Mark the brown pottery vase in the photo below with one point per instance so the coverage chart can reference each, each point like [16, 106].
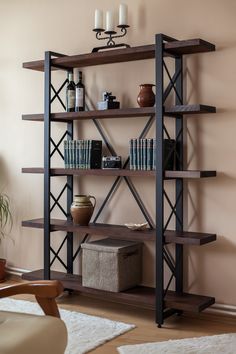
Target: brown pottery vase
[2, 269]
[82, 209]
[146, 97]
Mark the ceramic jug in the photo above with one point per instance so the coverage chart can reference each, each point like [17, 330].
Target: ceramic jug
[146, 97]
[82, 209]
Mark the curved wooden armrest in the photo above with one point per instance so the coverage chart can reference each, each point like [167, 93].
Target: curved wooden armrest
[45, 292]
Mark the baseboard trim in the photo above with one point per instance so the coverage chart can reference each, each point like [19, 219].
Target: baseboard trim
[16, 271]
[220, 309]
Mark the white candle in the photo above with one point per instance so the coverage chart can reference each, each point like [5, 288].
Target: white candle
[123, 14]
[98, 19]
[109, 21]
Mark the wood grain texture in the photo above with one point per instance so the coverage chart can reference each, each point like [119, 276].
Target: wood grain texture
[123, 55]
[120, 172]
[121, 113]
[44, 291]
[140, 295]
[122, 232]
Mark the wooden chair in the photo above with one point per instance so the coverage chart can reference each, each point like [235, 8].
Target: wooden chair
[32, 334]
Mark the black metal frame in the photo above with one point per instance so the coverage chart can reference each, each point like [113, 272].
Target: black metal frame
[163, 255]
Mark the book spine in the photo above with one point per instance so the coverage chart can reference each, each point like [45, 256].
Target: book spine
[85, 154]
[89, 153]
[141, 153]
[138, 154]
[77, 154]
[135, 154]
[145, 154]
[66, 153]
[154, 155]
[149, 164]
[131, 154]
[69, 153]
[74, 153]
[82, 154]
[96, 154]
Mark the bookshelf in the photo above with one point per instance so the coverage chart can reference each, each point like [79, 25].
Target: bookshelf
[160, 298]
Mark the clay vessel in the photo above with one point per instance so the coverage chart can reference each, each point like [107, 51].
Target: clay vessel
[146, 97]
[82, 209]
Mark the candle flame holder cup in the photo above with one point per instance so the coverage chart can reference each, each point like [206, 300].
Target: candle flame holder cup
[110, 36]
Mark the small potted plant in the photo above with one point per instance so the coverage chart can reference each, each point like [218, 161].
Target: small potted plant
[5, 219]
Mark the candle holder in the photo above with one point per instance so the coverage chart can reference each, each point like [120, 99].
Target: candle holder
[111, 35]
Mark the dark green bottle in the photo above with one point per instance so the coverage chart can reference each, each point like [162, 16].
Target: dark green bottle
[70, 93]
[80, 95]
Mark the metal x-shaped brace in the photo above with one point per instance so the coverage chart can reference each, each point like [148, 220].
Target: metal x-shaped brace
[57, 92]
[127, 180]
[56, 200]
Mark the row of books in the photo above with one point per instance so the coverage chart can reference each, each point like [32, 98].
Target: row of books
[83, 154]
[142, 153]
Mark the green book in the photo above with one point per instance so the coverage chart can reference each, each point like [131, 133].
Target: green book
[77, 154]
[89, 153]
[131, 167]
[74, 153]
[141, 153]
[149, 154]
[86, 154]
[69, 153]
[144, 154]
[154, 155]
[135, 164]
[80, 154]
[138, 154]
[66, 152]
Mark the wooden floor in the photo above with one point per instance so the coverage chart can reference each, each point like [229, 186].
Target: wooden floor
[175, 327]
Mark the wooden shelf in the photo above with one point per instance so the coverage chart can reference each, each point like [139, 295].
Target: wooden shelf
[122, 232]
[189, 109]
[138, 296]
[120, 172]
[120, 113]
[123, 55]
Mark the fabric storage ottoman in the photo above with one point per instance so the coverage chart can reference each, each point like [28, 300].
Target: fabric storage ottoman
[112, 265]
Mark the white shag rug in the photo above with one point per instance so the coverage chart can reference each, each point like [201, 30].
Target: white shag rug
[218, 344]
[85, 332]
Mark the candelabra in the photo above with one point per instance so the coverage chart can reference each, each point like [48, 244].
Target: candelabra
[110, 36]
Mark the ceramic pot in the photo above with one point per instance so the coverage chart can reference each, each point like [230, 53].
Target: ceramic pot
[82, 209]
[2, 269]
[146, 97]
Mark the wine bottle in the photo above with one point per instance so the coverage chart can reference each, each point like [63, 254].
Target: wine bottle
[80, 95]
[70, 93]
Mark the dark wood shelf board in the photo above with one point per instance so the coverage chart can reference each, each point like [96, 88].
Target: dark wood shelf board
[121, 113]
[190, 109]
[124, 55]
[119, 172]
[95, 114]
[139, 296]
[188, 237]
[122, 232]
[189, 174]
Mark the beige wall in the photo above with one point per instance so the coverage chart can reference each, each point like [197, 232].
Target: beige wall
[29, 27]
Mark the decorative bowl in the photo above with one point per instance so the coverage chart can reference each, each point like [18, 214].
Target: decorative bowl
[137, 227]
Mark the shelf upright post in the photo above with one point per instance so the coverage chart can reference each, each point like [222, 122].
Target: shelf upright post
[159, 179]
[69, 202]
[179, 182]
[47, 163]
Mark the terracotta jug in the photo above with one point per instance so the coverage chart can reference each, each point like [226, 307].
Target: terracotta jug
[82, 209]
[146, 97]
